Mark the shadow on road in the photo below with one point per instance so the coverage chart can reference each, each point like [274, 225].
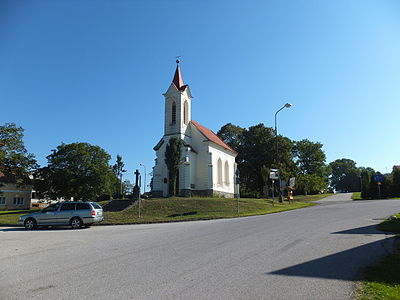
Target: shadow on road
[342, 265]
[15, 229]
[371, 229]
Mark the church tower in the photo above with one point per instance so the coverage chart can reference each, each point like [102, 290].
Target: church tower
[207, 166]
[178, 107]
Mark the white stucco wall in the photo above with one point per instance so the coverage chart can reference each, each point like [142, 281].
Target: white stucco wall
[224, 155]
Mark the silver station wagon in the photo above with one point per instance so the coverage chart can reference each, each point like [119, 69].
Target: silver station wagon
[74, 213]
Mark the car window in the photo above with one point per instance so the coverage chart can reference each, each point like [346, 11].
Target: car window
[96, 206]
[82, 206]
[68, 206]
[53, 207]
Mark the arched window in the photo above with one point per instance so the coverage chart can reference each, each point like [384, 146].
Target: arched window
[226, 173]
[185, 112]
[219, 171]
[173, 113]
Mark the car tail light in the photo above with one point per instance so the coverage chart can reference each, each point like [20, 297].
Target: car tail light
[93, 212]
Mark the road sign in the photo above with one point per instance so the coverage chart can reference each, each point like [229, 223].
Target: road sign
[377, 178]
[274, 174]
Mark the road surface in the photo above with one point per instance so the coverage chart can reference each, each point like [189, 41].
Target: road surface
[310, 253]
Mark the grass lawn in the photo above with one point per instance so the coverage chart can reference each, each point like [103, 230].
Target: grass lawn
[357, 196]
[185, 209]
[382, 281]
[11, 216]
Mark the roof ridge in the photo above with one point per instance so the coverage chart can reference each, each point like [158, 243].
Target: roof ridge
[211, 136]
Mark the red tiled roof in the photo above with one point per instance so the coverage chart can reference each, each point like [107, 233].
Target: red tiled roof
[211, 136]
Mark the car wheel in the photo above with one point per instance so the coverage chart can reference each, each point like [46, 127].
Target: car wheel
[30, 223]
[76, 223]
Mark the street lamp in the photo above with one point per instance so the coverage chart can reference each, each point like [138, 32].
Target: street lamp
[144, 189]
[287, 105]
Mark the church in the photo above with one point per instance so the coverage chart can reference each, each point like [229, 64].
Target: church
[208, 165]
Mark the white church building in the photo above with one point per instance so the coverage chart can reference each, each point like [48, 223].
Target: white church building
[208, 164]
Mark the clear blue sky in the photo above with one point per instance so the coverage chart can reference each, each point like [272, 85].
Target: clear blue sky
[94, 71]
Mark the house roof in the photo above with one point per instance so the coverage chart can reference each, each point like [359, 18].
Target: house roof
[211, 136]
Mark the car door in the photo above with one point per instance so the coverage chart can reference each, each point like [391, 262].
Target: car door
[65, 213]
[47, 216]
[84, 211]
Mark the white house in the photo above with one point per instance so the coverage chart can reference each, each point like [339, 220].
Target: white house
[208, 164]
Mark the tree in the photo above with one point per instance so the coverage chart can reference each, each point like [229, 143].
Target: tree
[173, 153]
[15, 161]
[345, 175]
[78, 170]
[232, 135]
[365, 174]
[311, 183]
[265, 176]
[118, 170]
[395, 182]
[127, 187]
[310, 158]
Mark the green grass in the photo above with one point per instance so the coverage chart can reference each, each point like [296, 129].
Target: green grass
[391, 225]
[186, 209]
[10, 217]
[357, 196]
[382, 280]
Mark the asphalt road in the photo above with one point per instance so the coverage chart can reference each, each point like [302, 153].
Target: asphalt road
[311, 253]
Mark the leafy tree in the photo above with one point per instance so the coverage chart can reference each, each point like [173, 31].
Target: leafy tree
[173, 154]
[127, 187]
[395, 182]
[366, 174]
[15, 161]
[232, 135]
[78, 170]
[118, 170]
[345, 175]
[310, 158]
[265, 176]
[311, 183]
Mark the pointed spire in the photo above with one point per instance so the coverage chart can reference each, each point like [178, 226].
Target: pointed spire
[178, 80]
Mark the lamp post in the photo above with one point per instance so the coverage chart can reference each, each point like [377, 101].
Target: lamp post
[144, 189]
[287, 105]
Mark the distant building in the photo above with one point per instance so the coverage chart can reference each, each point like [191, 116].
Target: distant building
[14, 195]
[208, 164]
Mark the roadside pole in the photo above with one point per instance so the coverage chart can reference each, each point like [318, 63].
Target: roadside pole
[139, 199]
[273, 187]
[238, 208]
[238, 187]
[379, 189]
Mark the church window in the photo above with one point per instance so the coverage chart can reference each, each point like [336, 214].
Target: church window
[173, 113]
[226, 173]
[219, 171]
[185, 112]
